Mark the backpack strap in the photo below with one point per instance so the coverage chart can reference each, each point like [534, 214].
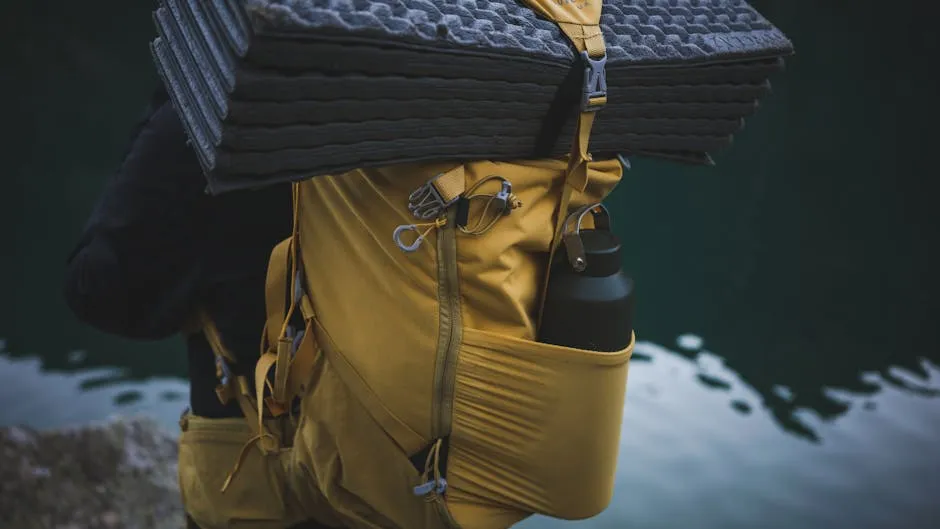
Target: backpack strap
[276, 350]
[288, 349]
[579, 20]
[276, 291]
[281, 301]
[235, 387]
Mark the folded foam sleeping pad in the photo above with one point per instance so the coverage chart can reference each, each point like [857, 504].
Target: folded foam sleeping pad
[277, 90]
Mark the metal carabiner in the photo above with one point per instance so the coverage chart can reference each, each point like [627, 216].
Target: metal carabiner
[572, 237]
[598, 210]
[396, 235]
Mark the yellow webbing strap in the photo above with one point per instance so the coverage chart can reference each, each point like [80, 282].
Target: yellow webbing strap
[277, 350]
[262, 368]
[294, 261]
[579, 20]
[451, 184]
[275, 344]
[300, 368]
[267, 442]
[214, 337]
[285, 342]
[275, 291]
[275, 332]
[236, 388]
[239, 388]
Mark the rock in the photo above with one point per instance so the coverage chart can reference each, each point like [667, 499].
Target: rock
[121, 474]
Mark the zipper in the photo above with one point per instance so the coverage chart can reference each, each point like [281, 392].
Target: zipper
[450, 337]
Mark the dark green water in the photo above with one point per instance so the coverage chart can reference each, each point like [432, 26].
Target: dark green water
[800, 262]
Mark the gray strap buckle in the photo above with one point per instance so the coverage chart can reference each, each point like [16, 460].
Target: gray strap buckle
[223, 366]
[426, 202]
[595, 82]
[503, 196]
[438, 486]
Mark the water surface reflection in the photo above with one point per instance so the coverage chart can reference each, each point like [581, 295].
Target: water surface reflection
[42, 398]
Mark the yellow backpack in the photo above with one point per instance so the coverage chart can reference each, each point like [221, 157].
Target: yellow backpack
[408, 391]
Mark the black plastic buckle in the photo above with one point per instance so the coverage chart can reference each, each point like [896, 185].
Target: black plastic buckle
[594, 85]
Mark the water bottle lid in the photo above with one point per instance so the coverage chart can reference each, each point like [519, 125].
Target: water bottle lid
[601, 251]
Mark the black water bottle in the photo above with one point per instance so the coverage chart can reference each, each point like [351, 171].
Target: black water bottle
[589, 302]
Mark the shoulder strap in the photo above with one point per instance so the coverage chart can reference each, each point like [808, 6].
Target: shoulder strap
[276, 290]
[579, 20]
[280, 342]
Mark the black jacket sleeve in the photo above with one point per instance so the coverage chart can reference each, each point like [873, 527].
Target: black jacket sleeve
[135, 270]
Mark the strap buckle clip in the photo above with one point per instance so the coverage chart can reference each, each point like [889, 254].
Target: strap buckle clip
[427, 202]
[594, 85]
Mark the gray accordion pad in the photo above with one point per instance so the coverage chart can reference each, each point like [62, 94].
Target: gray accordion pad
[277, 90]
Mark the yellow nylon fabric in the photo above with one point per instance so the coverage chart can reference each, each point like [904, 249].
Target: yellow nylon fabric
[535, 427]
[582, 12]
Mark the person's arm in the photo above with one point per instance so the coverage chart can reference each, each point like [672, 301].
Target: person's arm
[135, 270]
